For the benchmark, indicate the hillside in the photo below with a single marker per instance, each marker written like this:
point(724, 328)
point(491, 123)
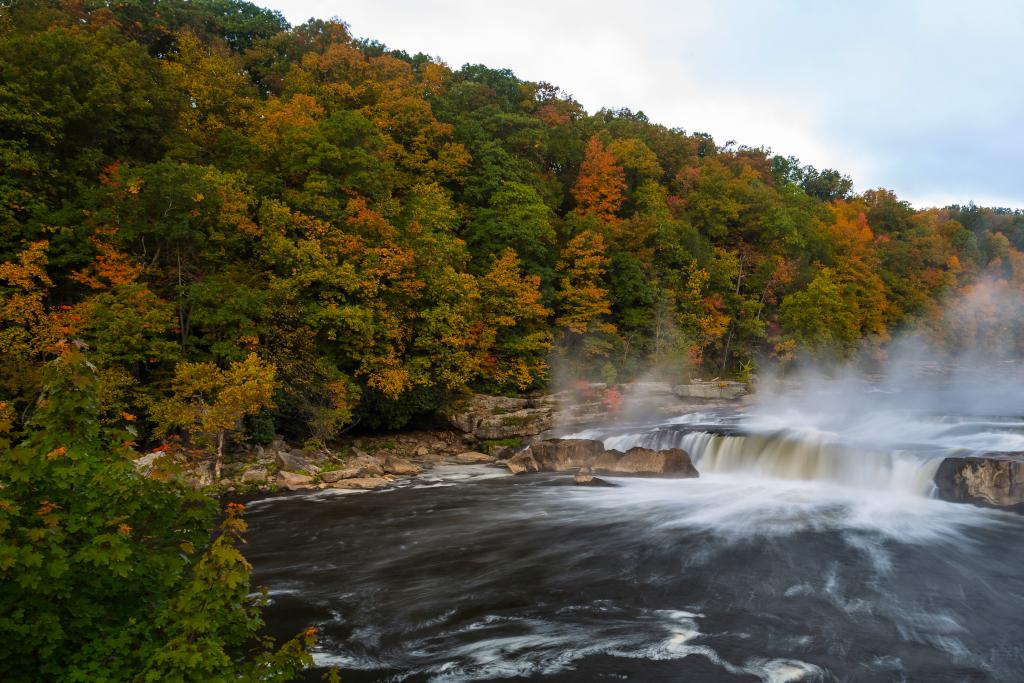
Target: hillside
point(342, 233)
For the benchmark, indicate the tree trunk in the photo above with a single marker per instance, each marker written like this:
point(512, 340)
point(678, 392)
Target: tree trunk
point(220, 456)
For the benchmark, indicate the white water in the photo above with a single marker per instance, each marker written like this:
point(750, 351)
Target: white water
point(897, 451)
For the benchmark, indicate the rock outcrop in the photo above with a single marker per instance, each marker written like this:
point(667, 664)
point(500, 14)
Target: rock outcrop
point(501, 417)
point(995, 481)
point(715, 390)
point(588, 456)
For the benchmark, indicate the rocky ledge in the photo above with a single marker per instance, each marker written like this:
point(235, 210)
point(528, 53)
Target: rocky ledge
point(361, 464)
point(995, 481)
point(587, 456)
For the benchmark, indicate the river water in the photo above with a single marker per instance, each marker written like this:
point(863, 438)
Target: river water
point(810, 549)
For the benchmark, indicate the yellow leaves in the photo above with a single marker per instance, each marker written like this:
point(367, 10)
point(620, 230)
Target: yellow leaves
point(388, 376)
point(133, 186)
point(212, 401)
point(124, 529)
point(583, 297)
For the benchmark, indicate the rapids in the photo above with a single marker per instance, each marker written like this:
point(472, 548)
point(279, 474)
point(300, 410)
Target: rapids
point(810, 549)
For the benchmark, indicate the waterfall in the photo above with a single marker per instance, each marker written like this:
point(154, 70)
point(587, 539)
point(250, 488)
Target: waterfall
point(795, 455)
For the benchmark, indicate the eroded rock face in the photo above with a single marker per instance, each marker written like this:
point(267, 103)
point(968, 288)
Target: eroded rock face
point(562, 455)
point(988, 481)
point(501, 417)
point(587, 456)
point(675, 462)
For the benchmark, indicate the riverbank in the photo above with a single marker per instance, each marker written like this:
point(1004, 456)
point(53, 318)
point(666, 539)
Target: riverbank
point(482, 429)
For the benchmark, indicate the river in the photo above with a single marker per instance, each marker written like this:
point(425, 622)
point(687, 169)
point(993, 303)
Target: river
point(810, 549)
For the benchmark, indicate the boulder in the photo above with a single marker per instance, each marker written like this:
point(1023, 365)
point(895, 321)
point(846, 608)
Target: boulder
point(995, 481)
point(400, 466)
point(254, 475)
point(368, 465)
point(585, 477)
point(343, 473)
point(294, 462)
point(561, 455)
point(473, 457)
point(293, 481)
point(522, 462)
point(422, 452)
point(675, 462)
point(363, 483)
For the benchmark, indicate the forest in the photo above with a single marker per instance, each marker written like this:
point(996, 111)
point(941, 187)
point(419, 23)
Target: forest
point(216, 227)
point(365, 234)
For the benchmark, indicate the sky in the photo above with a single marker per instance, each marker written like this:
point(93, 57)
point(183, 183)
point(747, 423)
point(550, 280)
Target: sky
point(925, 98)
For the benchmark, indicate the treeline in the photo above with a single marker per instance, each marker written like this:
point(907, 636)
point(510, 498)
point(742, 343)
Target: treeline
point(194, 188)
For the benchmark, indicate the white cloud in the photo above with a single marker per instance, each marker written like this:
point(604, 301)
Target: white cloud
point(920, 97)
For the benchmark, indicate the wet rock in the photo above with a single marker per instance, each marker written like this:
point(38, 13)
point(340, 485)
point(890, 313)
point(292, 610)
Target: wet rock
point(562, 455)
point(400, 466)
point(995, 481)
point(254, 475)
point(422, 452)
point(293, 481)
point(472, 457)
point(675, 462)
point(585, 477)
point(363, 483)
point(522, 462)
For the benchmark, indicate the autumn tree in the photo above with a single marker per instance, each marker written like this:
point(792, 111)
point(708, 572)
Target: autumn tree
point(582, 299)
point(208, 403)
point(601, 183)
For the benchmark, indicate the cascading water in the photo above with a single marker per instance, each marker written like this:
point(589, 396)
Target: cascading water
point(787, 455)
point(808, 550)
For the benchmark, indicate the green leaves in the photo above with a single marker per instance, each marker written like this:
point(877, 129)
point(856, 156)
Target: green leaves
point(96, 578)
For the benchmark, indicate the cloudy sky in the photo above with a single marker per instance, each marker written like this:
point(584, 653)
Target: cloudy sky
point(923, 97)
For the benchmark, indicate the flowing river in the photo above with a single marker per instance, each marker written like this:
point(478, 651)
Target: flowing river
point(810, 549)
